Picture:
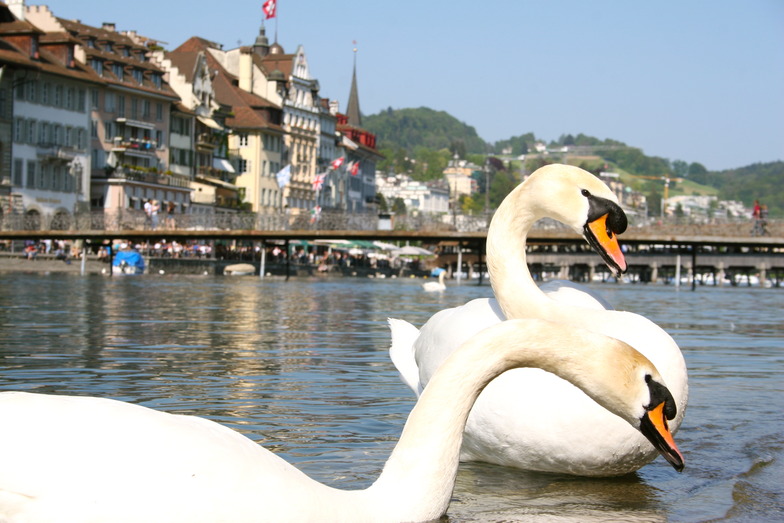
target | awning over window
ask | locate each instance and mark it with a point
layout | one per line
(209, 122)
(223, 165)
(215, 181)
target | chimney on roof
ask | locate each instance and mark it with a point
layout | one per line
(109, 26)
(17, 8)
(246, 69)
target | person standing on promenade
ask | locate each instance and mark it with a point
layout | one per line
(154, 208)
(148, 214)
(756, 230)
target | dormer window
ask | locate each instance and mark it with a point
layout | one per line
(126, 52)
(156, 80)
(107, 47)
(70, 57)
(138, 75)
(117, 69)
(97, 66)
(91, 43)
(34, 48)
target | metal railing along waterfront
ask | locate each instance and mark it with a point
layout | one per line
(13, 225)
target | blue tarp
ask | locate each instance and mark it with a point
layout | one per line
(131, 258)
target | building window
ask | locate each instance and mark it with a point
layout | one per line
(117, 69)
(134, 108)
(31, 124)
(18, 172)
(70, 101)
(94, 97)
(58, 96)
(19, 126)
(108, 131)
(68, 136)
(43, 132)
(156, 80)
(244, 166)
(138, 75)
(243, 139)
(47, 180)
(121, 105)
(31, 171)
(31, 91)
(145, 109)
(159, 111)
(109, 102)
(159, 139)
(97, 66)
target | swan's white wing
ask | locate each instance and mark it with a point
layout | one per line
(402, 352)
(446, 330)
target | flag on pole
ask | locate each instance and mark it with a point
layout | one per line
(269, 8)
(354, 168)
(336, 163)
(318, 181)
(284, 176)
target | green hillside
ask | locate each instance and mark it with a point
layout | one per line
(422, 127)
(421, 141)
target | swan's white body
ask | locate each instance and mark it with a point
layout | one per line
(541, 435)
(436, 286)
(79, 459)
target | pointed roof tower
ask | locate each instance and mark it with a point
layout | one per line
(352, 109)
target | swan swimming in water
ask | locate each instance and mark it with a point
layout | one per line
(436, 286)
(70, 459)
(562, 431)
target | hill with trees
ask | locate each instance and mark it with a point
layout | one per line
(421, 142)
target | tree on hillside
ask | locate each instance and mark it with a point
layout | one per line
(429, 164)
(500, 186)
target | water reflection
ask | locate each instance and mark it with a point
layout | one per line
(302, 367)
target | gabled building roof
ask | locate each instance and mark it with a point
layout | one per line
(249, 111)
(112, 47)
(15, 48)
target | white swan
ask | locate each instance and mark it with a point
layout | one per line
(77, 459)
(562, 431)
(433, 286)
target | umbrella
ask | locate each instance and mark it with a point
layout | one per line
(410, 250)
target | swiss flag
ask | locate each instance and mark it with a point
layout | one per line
(336, 163)
(354, 169)
(269, 8)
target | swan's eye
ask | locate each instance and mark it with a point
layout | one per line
(585, 193)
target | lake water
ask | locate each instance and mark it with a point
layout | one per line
(302, 368)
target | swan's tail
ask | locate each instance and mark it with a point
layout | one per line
(402, 352)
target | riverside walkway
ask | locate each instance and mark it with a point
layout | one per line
(724, 251)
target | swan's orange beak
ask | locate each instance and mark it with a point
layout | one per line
(605, 242)
(653, 426)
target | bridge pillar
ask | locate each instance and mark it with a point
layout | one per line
(563, 274)
(591, 271)
(762, 274)
(654, 272)
(719, 274)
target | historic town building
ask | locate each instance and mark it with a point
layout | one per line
(203, 125)
(44, 134)
(129, 117)
(257, 140)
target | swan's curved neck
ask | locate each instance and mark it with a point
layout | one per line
(419, 475)
(506, 261)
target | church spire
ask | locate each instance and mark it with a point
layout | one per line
(352, 110)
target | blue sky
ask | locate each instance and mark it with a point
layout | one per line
(694, 80)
